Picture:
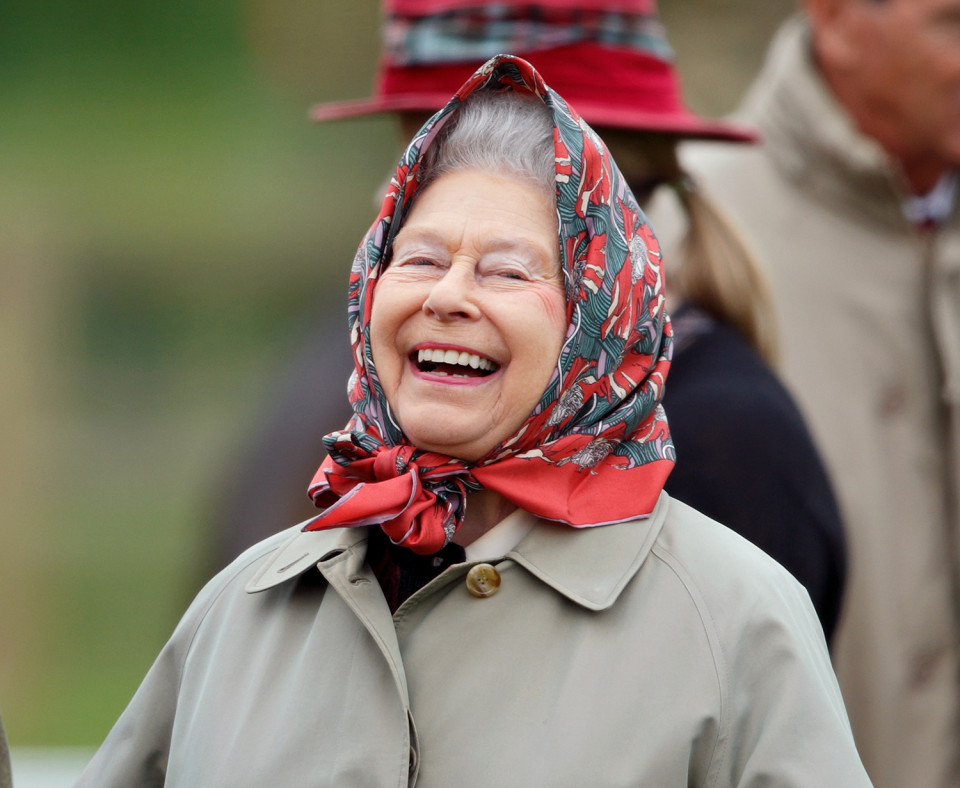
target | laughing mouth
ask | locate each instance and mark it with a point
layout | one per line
(452, 362)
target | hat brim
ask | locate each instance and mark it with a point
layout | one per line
(686, 125)
(607, 85)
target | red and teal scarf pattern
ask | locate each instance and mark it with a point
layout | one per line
(596, 450)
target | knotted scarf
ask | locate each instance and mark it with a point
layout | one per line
(596, 449)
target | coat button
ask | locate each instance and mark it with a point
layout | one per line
(893, 401)
(924, 668)
(483, 580)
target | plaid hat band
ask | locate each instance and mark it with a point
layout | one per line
(470, 33)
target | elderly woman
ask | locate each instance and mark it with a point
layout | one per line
(481, 602)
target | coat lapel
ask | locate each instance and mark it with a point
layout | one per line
(303, 551)
(590, 566)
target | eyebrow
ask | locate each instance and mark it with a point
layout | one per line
(432, 238)
(424, 236)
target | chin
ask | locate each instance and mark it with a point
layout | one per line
(465, 452)
(442, 442)
(432, 426)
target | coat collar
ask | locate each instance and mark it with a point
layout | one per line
(302, 551)
(589, 566)
(801, 120)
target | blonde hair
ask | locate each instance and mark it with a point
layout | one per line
(720, 274)
(715, 269)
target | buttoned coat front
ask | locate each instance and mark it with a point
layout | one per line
(870, 324)
(663, 652)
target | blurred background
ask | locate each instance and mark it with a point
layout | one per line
(169, 223)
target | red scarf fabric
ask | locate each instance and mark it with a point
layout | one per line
(596, 450)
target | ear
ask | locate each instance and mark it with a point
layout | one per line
(834, 25)
(821, 12)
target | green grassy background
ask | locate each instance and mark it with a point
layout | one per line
(168, 217)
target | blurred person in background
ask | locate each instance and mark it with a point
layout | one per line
(851, 201)
(498, 591)
(745, 455)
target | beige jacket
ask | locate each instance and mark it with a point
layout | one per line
(661, 652)
(870, 317)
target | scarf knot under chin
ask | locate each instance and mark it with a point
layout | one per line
(416, 497)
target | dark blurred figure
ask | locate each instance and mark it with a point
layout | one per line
(852, 203)
(734, 425)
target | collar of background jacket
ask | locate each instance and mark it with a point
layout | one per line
(802, 122)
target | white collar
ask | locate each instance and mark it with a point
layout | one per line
(936, 205)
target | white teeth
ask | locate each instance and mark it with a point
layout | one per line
(452, 357)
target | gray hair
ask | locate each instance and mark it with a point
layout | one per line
(502, 133)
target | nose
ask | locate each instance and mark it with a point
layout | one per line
(453, 296)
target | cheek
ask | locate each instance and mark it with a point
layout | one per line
(553, 308)
(382, 329)
(541, 338)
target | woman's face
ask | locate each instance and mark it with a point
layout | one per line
(469, 317)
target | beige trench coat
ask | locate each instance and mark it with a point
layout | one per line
(870, 318)
(660, 652)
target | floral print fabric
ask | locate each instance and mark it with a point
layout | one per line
(596, 449)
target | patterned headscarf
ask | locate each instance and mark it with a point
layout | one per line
(596, 449)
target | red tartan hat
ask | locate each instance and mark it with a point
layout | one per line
(610, 59)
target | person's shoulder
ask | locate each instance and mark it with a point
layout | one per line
(733, 583)
(768, 652)
(716, 350)
(702, 543)
(719, 372)
(249, 560)
(745, 608)
(706, 158)
(233, 578)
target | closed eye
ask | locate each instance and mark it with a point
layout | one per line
(501, 270)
